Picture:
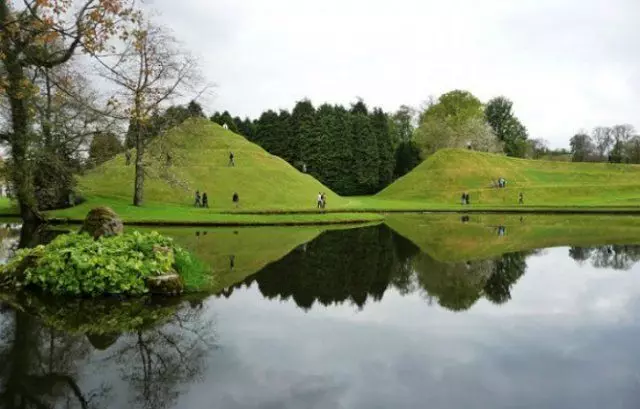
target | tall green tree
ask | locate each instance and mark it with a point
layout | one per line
(407, 157)
(508, 128)
(365, 146)
(386, 157)
(303, 138)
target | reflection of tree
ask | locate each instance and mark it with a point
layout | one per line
(157, 361)
(506, 271)
(457, 286)
(617, 257)
(336, 267)
(38, 365)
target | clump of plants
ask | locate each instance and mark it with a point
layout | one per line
(78, 265)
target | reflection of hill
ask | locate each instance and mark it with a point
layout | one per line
(448, 238)
(351, 265)
(235, 253)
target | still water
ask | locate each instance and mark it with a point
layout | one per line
(437, 312)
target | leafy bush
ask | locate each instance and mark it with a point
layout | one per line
(75, 264)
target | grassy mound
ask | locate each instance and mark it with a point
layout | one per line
(199, 160)
(445, 175)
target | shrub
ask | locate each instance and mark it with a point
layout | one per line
(76, 264)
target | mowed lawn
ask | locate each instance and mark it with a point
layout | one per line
(441, 179)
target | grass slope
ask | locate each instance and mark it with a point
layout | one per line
(442, 178)
(199, 152)
(447, 239)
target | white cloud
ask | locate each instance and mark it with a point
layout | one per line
(567, 64)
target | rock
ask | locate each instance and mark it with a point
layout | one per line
(102, 221)
(169, 284)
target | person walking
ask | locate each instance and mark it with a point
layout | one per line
(324, 200)
(205, 200)
(319, 201)
(231, 159)
(197, 203)
(521, 198)
(463, 199)
(467, 199)
(236, 199)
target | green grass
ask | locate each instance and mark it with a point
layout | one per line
(159, 213)
(199, 161)
(446, 238)
(440, 180)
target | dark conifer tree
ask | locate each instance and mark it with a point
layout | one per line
(386, 164)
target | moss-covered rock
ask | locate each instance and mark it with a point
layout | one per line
(168, 284)
(102, 221)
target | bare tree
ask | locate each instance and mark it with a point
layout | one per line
(601, 136)
(43, 35)
(152, 71)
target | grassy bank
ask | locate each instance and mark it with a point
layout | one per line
(163, 214)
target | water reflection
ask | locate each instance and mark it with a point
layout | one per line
(358, 265)
(617, 257)
(154, 348)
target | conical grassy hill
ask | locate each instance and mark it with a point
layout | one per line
(443, 177)
(199, 160)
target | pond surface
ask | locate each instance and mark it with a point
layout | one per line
(426, 311)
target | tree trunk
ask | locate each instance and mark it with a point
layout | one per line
(139, 180)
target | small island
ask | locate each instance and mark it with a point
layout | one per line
(101, 260)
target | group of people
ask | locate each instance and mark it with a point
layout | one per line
(203, 201)
(322, 200)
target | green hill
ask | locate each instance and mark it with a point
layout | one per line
(199, 152)
(445, 175)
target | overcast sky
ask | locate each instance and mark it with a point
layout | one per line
(566, 64)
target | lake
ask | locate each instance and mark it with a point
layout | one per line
(438, 311)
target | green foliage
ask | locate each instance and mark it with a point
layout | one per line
(75, 264)
(386, 157)
(54, 178)
(351, 151)
(104, 146)
(225, 118)
(456, 121)
(506, 126)
(191, 270)
(407, 158)
(454, 107)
